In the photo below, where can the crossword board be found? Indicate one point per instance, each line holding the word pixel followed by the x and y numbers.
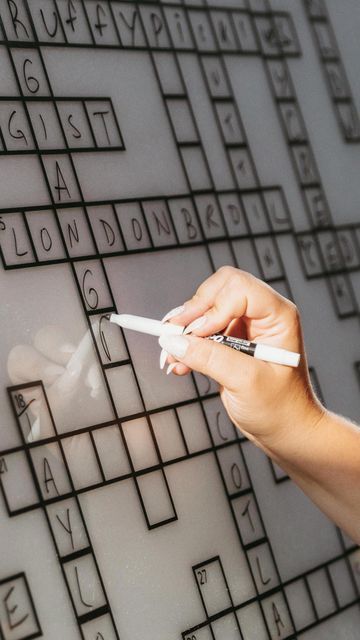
pixel 142 146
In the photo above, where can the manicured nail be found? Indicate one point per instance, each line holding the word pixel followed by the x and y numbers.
pixel 163 356
pixel 173 313
pixel 195 324
pixel 171 367
pixel 176 345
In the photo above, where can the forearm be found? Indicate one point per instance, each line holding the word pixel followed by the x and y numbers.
pixel 323 458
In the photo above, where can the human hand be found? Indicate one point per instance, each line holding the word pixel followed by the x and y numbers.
pixel 266 401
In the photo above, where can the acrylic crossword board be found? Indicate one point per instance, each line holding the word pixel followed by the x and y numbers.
pixel 143 145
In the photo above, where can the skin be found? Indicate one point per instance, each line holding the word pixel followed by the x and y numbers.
pixel 273 405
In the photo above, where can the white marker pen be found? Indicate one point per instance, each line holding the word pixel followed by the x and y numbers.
pixel 260 351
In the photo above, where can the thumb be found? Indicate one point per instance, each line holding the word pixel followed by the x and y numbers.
pixel 227 366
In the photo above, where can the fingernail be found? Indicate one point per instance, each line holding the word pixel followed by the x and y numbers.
pixel 171 367
pixel 163 356
pixel 176 345
pixel 195 324
pixel 173 313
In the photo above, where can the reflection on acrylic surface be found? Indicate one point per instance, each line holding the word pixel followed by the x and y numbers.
pixel 70 374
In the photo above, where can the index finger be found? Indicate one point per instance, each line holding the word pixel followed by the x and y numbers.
pixel 229 294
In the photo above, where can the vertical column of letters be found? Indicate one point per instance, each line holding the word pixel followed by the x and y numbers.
pixel 333 68
pixel 56 494
pixel 304 164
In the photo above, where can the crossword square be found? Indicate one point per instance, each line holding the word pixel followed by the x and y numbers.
pixel 12 467
pixel 46 21
pixel 292 121
pixel 301 607
pixel 19 29
pixel 124 390
pixel 76 232
pixel 213 589
pixel 109 339
pixel 315 8
pixel 46 125
pixel 168 435
pixel 263 568
pixel 51 472
pixel 133 226
pixel 158 505
pixel 16 247
pixel 159 222
pixel 61 178
pixel 140 444
pixel 67 527
pixel 194 427
pixel 169 75
pixel 216 77
pixel 280 79
pixel 244 32
pixel 210 216
pixel 196 168
pixel 343 295
pixel 128 24
pixel 32 413
pixel 111 451
pixel 278 210
pixel 348 248
pixel 221 427
pixel 243 168
pixel 268 35
pixel 99 628
pixel 330 250
pixel 74 21
pixel 269 258
pixel 251 622
pixel 185 220
pixel 325 40
pixel 337 80
pixel 92 282
pixel 321 592
pixel 277 616
pixel 105 228
pixel 233 214
pixel 81 459
pixel 310 254
pixel 75 124
pixel 18 615
pixel 248 518
pixel 342 581
pixel 83 580
pixel 286 34
pixel 227 627
pixel 155 27
pixel 104 125
pixel 101 23
pixel 256 213
pixel 305 165
pixel 233 469
pixel 30 72
pixel 229 121
pixel 223 28
pixel 15 127
pixel 182 120
pixel 318 206
pixel 204 384
pixel 202 31
pixel 178 27
pixel 349 120
pixel 45 235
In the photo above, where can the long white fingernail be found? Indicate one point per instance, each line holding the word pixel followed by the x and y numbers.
pixel 163 356
pixel 173 313
pixel 171 367
pixel 195 324
pixel 176 345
